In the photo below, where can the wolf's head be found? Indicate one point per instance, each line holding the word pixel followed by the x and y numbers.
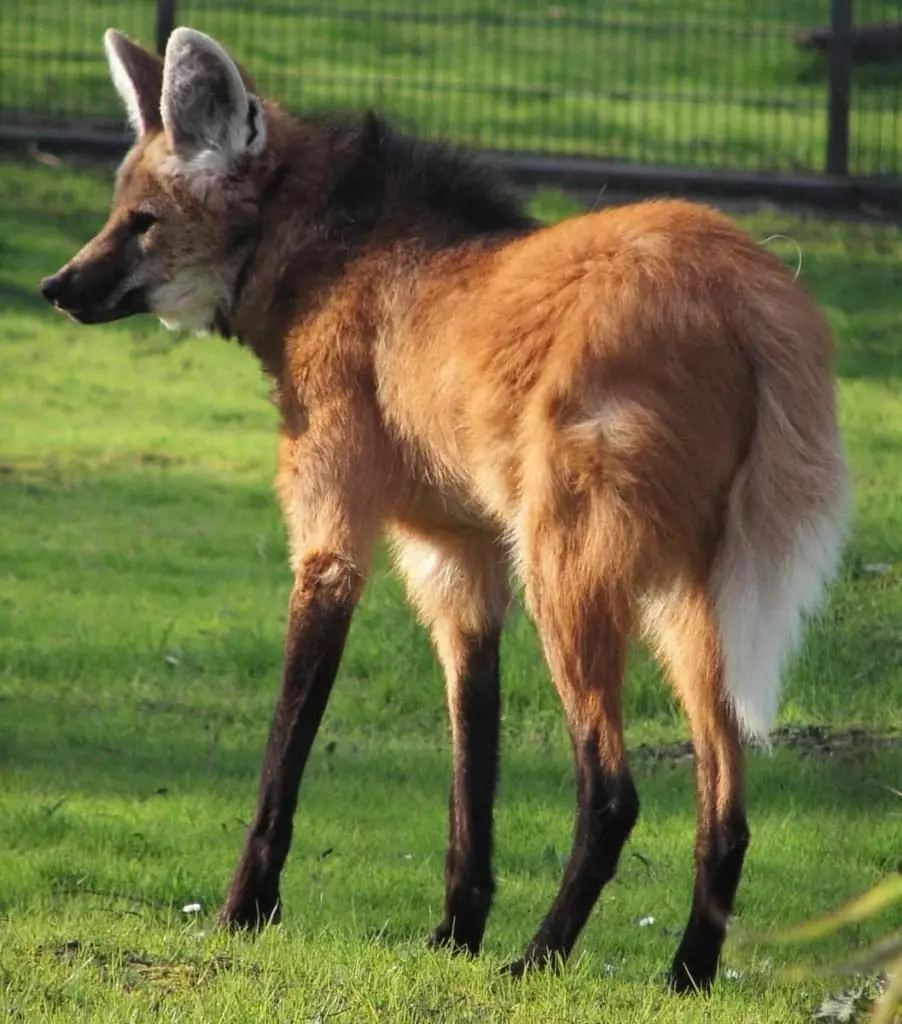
pixel 185 207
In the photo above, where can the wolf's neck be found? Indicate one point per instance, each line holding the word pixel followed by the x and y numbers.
pixel 357 206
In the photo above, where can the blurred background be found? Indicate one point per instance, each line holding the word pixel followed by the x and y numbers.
pixel 756 95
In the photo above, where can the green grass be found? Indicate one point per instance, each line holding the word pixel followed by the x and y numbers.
pixel 142 584
pixel 713 83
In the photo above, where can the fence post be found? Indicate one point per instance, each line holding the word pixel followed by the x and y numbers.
pixel 165 23
pixel 840 93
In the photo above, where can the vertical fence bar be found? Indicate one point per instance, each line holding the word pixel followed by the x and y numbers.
pixel 840 87
pixel 165 23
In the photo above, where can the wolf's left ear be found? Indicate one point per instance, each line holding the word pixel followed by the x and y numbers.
pixel 206 106
pixel 138 76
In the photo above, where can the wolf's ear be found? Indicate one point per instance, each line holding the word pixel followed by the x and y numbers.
pixel 138 76
pixel 206 107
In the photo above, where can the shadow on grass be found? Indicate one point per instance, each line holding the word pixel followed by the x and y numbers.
pixel 135 751
pixel 156 804
pixel 132 617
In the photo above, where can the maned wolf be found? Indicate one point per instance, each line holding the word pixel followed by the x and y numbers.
pixel 634 409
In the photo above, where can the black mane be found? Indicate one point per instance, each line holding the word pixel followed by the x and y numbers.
pixel 387 176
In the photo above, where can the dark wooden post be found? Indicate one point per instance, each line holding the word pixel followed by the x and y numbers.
pixel 840 87
pixel 165 23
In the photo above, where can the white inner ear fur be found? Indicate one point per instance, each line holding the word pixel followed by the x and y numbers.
pixel 209 116
pixel 123 83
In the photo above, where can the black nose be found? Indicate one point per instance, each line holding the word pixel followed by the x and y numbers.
pixel 52 288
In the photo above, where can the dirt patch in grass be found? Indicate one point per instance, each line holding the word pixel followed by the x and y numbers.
pixel 816 741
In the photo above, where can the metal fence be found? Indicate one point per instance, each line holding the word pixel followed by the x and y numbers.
pixel 808 90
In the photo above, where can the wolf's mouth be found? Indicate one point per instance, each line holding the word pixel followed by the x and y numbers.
pixel 131 303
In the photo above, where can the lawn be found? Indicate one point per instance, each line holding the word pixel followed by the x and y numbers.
pixel 711 83
pixel 142 584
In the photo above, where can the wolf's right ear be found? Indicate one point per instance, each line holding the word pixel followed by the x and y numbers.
pixel 208 110
pixel 138 76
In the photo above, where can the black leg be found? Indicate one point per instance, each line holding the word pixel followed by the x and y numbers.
pixel 584 641
pixel 322 602
pixel 720 850
pixel 688 640
pixel 607 809
pixel 474 703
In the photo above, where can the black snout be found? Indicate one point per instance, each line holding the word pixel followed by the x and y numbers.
pixel 54 288
pixel 90 294
pixel 67 290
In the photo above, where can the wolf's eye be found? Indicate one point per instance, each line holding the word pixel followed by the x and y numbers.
pixel 140 221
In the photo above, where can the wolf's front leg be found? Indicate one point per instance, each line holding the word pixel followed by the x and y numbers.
pixel 326 590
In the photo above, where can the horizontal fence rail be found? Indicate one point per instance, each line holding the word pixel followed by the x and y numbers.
pixel 742 91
